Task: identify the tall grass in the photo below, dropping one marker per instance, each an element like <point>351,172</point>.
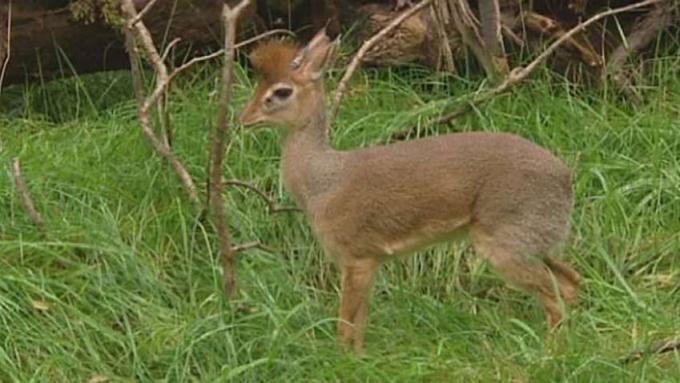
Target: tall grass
<point>125,286</point>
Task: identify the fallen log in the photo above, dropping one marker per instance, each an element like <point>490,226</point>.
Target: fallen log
<point>50,43</point>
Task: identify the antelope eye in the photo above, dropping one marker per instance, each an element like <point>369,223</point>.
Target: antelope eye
<point>283,93</point>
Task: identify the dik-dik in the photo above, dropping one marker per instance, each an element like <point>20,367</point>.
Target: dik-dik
<point>367,206</point>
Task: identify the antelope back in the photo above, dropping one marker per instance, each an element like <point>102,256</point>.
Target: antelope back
<point>290,84</point>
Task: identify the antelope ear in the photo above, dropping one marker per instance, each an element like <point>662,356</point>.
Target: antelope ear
<point>313,60</point>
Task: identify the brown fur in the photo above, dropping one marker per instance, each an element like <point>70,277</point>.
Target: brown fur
<point>271,59</point>
<point>370,205</point>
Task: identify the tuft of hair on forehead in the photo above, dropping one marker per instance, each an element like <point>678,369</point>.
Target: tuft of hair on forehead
<point>271,59</point>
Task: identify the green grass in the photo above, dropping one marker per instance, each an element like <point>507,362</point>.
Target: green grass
<point>134,290</point>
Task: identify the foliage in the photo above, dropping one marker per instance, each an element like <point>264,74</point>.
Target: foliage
<point>87,11</point>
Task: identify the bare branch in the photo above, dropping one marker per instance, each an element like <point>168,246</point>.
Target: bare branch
<point>546,25</point>
<point>644,32</point>
<point>659,347</point>
<point>5,53</point>
<point>251,245</point>
<point>169,47</point>
<point>526,71</point>
<point>215,197</point>
<point>262,36</point>
<point>164,119</point>
<point>490,17</point>
<point>152,54</point>
<point>135,69</point>
<point>509,33</point>
<point>220,52</point>
<point>145,104</point>
<point>445,54</point>
<point>141,14</point>
<point>25,195</point>
<point>271,205</point>
<point>495,67</point>
<point>365,47</point>
<point>519,74</point>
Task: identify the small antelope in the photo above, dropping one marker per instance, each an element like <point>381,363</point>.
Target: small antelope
<point>367,206</point>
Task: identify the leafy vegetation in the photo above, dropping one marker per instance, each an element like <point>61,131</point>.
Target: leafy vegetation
<point>125,287</point>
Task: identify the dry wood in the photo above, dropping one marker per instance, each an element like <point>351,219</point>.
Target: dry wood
<point>40,26</point>
<point>445,53</point>
<point>25,196</point>
<point>158,99</point>
<point>490,18</point>
<point>509,33</point>
<point>644,32</point>
<point>220,52</point>
<point>365,47</point>
<point>169,47</point>
<point>272,208</point>
<point>466,24</point>
<point>216,199</point>
<point>545,25</point>
<point>660,347</point>
<point>519,74</point>
<point>251,245</point>
<point>143,12</point>
<point>162,82</point>
<point>164,119</point>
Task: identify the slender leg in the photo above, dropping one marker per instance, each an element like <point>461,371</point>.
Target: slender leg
<point>531,275</point>
<point>357,279</point>
<point>569,279</point>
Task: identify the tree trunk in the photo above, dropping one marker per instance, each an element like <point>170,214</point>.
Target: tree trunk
<point>50,43</point>
<point>47,44</point>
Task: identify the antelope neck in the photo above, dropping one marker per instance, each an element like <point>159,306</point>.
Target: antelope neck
<point>309,165</point>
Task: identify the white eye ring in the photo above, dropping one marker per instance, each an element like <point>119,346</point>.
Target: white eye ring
<point>279,92</point>
<point>282,93</point>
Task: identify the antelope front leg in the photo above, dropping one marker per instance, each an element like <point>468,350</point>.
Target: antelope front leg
<point>356,282</point>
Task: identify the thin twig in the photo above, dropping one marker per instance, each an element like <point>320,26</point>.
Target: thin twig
<point>365,47</point>
<point>643,33</point>
<point>251,245</point>
<point>519,74</point>
<point>141,14</point>
<point>261,36</point>
<point>659,347</point>
<point>151,53</point>
<point>135,69</point>
<point>271,205</point>
<point>509,33</point>
<point>170,45</point>
<point>215,197</point>
<point>25,195</point>
<point>5,60</point>
<point>444,54</point>
<point>545,25</point>
<point>161,70</point>
<point>492,38</point>
<point>467,26</point>
<point>164,119</point>
<point>220,52</point>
